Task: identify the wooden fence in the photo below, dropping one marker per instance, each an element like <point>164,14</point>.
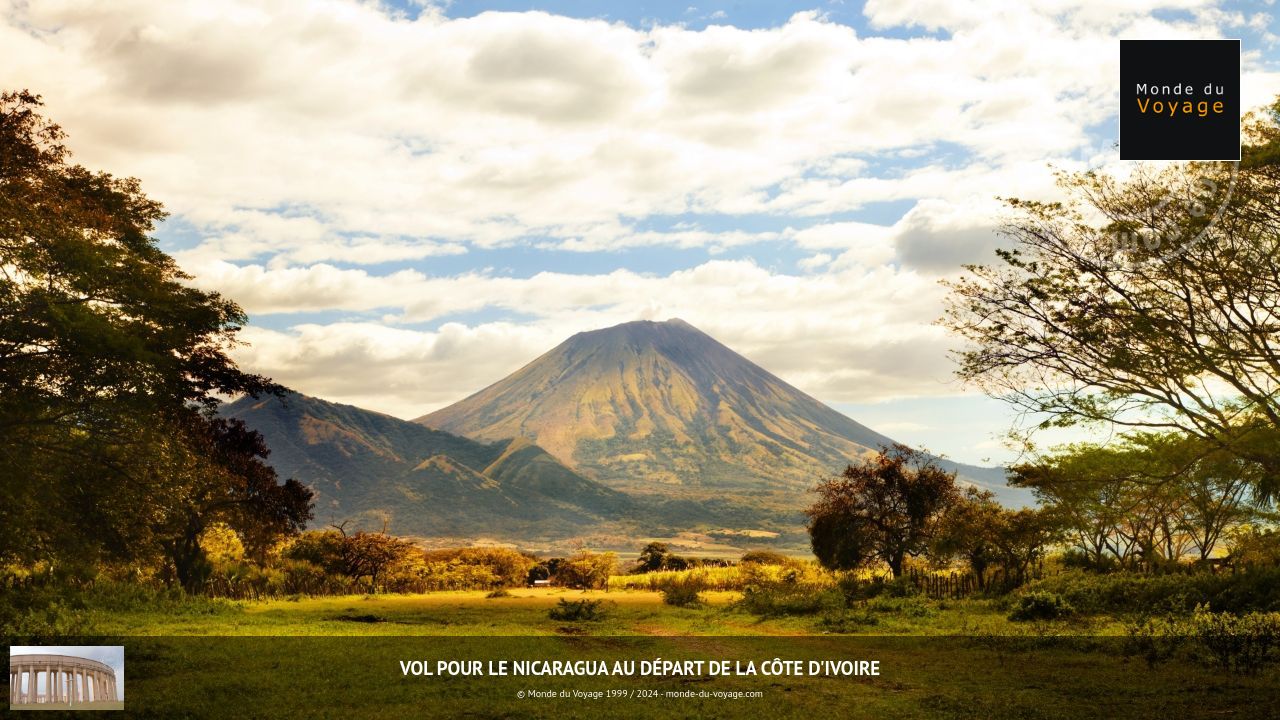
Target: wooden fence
<point>956,585</point>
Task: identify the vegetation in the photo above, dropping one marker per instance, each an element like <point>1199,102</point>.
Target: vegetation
<point>110,370</point>
<point>142,511</point>
<point>1039,605</point>
<point>657,557</point>
<point>984,535</point>
<point>882,511</point>
<point>684,591</point>
<point>1159,317</point>
<point>1147,500</point>
<point>577,610</point>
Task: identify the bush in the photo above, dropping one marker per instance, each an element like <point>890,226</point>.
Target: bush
<point>773,600</point>
<point>1040,606</point>
<point>506,567</point>
<point>914,606</point>
<point>683,591</point>
<point>714,578</point>
<point>844,621</point>
<point>899,587</point>
<point>793,589</point>
<point>499,593</point>
<point>766,557</point>
<point>1156,639</point>
<point>577,611</point>
<point>1237,643</point>
<point>1256,589</point>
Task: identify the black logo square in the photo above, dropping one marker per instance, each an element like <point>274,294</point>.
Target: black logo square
<point>1179,99</point>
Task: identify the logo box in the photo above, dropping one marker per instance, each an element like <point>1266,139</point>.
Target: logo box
<point>1180,100</point>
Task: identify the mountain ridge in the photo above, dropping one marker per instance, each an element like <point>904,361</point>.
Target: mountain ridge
<point>376,469</point>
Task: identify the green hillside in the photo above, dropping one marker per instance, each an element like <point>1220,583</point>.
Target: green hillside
<point>371,468</point>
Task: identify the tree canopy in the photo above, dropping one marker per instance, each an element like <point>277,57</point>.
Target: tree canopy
<point>111,369</point>
<point>1151,302</point>
<point>1145,499</point>
<point>883,510</point>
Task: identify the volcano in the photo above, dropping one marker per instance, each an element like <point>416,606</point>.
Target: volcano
<point>662,408</point>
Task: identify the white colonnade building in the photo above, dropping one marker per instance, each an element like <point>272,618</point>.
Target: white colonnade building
<point>67,680</point>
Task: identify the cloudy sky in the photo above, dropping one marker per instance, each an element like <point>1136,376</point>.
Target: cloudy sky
<point>112,655</point>
<point>413,199</point>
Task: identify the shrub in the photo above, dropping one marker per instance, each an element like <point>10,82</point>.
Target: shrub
<point>499,593</point>
<point>899,587</point>
<point>794,589</point>
<point>1038,605</point>
<point>683,591</point>
<point>714,578</point>
<point>1156,639</point>
<point>845,621</point>
<point>772,600</point>
<point>506,567</point>
<point>577,611</point>
<point>1256,589</point>
<point>914,606</point>
<point>1238,643</point>
<point>766,557</point>
<point>1235,643</point>
<point>47,619</point>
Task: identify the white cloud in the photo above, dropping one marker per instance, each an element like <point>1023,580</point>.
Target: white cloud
<point>505,126</point>
<point>301,139</point>
<point>815,262</point>
<point>856,335</point>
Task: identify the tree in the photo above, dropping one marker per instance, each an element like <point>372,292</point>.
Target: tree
<point>1147,498</point>
<point>1161,316</point>
<point>356,555</point>
<point>1020,537</point>
<point>371,554</point>
<point>654,556</point>
<point>587,570</point>
<point>986,535</point>
<point>1212,489</point>
<point>1092,493</point>
<point>968,529</point>
<point>218,476</point>
<point>111,368</point>
<point>883,510</point>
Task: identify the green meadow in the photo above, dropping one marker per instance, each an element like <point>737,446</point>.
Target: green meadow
<point>525,612</point>
<point>340,657</point>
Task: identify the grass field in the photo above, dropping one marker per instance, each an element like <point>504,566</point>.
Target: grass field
<point>525,612</point>
<point>339,657</point>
